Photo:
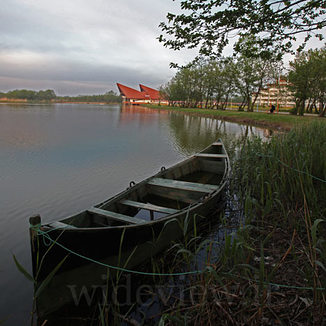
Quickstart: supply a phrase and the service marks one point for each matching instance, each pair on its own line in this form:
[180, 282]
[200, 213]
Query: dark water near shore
[56, 160]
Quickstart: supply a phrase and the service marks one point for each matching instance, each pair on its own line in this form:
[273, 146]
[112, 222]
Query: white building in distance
[277, 94]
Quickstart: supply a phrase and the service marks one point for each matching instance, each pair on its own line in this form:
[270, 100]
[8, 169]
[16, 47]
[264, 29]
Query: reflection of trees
[192, 133]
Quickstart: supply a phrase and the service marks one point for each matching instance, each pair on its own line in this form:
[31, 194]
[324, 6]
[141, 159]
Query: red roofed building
[130, 95]
[146, 95]
[153, 93]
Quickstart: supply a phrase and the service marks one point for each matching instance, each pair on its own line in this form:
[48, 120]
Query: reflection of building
[277, 94]
[145, 95]
[130, 113]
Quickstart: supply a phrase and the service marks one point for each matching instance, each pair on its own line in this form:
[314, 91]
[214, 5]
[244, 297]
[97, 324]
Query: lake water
[56, 160]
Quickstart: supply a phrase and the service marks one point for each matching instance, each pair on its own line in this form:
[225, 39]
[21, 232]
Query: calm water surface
[56, 160]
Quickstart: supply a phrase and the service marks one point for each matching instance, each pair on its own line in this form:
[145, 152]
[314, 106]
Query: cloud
[84, 43]
[40, 71]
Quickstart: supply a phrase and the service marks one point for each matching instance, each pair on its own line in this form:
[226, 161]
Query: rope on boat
[45, 235]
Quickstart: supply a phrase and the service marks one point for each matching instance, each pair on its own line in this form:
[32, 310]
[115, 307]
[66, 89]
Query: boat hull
[85, 251]
[78, 274]
[86, 246]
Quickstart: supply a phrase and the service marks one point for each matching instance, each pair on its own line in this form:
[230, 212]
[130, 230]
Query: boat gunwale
[188, 209]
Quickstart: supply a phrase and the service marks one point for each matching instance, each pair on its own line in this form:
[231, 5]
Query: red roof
[153, 93]
[132, 93]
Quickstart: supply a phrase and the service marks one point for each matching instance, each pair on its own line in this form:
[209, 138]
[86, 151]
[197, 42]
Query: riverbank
[269, 268]
[279, 121]
[271, 271]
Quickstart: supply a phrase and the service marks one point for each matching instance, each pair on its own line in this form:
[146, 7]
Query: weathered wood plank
[182, 185]
[150, 207]
[116, 216]
[59, 225]
[217, 143]
[175, 194]
[213, 166]
[206, 155]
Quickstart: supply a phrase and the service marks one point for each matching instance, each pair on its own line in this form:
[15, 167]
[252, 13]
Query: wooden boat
[135, 224]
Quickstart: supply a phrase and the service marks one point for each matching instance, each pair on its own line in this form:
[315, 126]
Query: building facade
[277, 94]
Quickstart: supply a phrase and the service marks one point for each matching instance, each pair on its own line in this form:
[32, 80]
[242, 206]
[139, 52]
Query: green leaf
[320, 264]
[23, 270]
[162, 320]
[49, 278]
[314, 231]
[184, 251]
[102, 319]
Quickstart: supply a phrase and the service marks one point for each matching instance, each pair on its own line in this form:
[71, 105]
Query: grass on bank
[275, 120]
[273, 272]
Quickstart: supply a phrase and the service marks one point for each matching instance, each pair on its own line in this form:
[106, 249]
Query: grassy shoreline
[273, 271]
[260, 119]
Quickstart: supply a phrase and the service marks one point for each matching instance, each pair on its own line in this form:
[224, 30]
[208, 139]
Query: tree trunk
[322, 111]
[241, 107]
[249, 109]
[302, 107]
[225, 101]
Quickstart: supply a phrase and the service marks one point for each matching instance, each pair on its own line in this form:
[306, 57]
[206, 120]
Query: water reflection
[59, 159]
[191, 133]
[143, 115]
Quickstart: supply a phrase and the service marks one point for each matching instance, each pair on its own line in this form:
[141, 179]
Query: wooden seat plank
[182, 185]
[217, 143]
[207, 155]
[149, 207]
[116, 216]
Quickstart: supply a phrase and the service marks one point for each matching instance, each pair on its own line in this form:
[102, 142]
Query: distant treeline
[49, 95]
[109, 97]
[25, 94]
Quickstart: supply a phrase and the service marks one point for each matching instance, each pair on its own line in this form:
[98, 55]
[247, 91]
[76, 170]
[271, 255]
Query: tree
[47, 95]
[185, 87]
[210, 24]
[206, 84]
[318, 83]
[251, 75]
[308, 80]
[219, 82]
[22, 94]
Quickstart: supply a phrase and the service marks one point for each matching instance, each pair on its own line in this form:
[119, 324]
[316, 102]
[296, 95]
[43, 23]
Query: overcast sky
[82, 46]
[85, 46]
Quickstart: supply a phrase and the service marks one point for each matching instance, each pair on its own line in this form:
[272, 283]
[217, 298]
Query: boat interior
[168, 192]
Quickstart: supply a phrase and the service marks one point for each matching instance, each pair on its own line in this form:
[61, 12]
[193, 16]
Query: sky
[78, 47]
[84, 47]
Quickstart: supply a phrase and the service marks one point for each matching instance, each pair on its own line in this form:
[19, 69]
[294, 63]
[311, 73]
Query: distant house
[145, 95]
[277, 94]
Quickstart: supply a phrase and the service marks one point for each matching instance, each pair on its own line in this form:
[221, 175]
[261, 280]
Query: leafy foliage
[26, 94]
[212, 83]
[210, 25]
[109, 97]
[308, 78]
[49, 95]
